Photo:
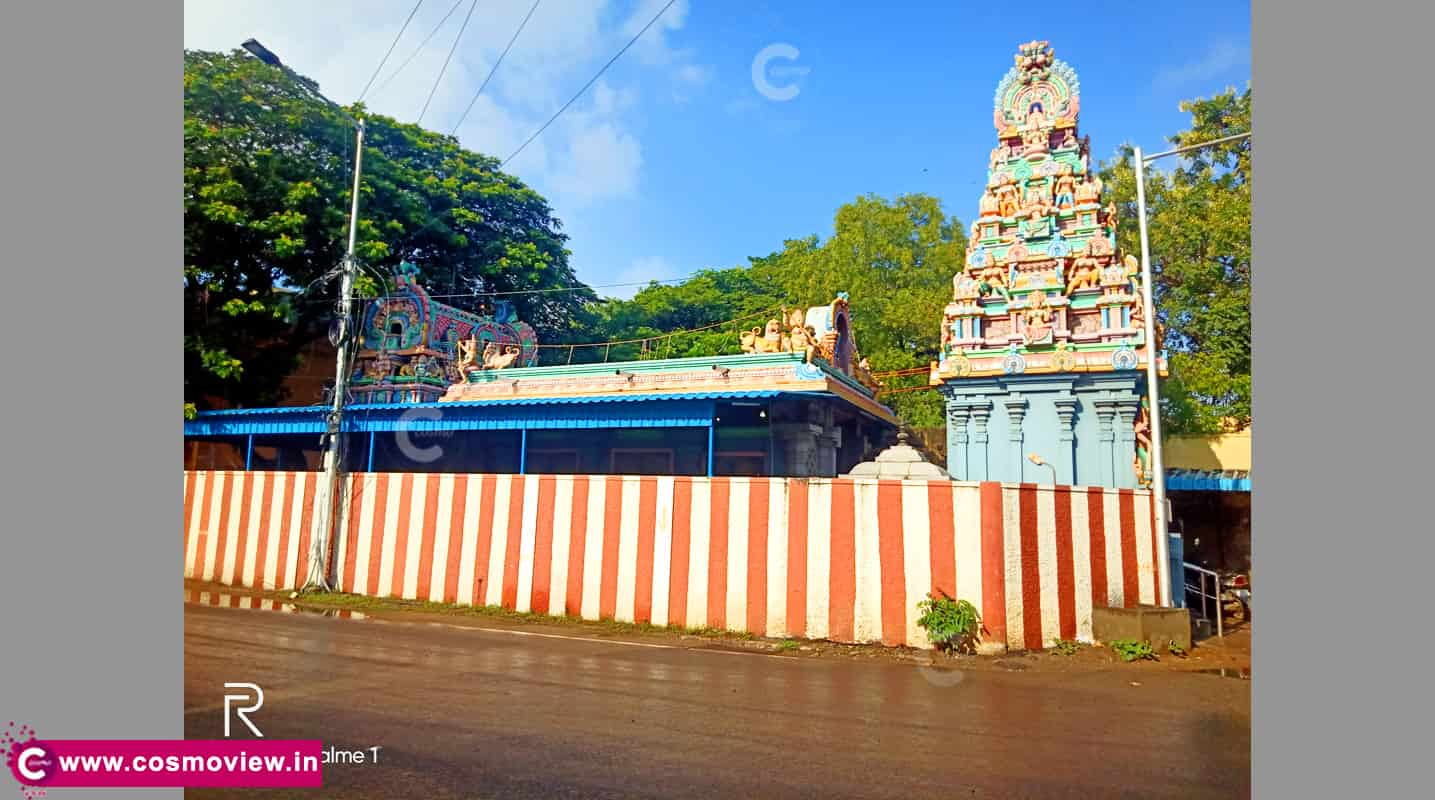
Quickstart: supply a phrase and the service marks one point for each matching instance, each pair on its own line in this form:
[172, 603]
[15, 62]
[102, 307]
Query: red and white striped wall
[845, 560]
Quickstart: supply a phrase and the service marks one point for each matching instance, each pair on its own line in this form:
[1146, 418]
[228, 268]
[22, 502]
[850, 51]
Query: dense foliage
[268, 166]
[894, 257]
[1199, 218]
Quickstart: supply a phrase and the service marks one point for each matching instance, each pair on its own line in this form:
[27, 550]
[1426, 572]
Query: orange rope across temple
[661, 336]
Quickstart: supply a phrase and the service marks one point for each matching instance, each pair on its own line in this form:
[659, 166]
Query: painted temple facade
[1042, 345]
[440, 389]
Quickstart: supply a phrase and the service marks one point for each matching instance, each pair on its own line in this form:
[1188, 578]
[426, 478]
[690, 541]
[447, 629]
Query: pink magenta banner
[167, 763]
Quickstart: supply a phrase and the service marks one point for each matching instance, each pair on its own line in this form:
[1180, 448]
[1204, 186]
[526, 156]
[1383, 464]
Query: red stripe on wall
[286, 528]
[1030, 568]
[266, 499]
[612, 522]
[543, 545]
[717, 553]
[993, 562]
[891, 562]
[426, 542]
[573, 593]
[1096, 522]
[206, 503]
[455, 538]
[235, 569]
[190, 479]
[682, 551]
[1130, 571]
[842, 579]
[647, 532]
[514, 549]
[943, 523]
[357, 484]
[1065, 566]
[376, 539]
[401, 535]
[759, 501]
[487, 493]
[306, 526]
[797, 557]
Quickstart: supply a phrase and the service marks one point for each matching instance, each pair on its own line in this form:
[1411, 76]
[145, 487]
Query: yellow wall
[1220, 452]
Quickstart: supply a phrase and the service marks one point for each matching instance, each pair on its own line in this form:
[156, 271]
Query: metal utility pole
[1153, 372]
[330, 511]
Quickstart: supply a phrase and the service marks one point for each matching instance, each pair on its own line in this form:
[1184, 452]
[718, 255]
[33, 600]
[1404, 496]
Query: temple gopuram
[439, 389]
[1043, 351]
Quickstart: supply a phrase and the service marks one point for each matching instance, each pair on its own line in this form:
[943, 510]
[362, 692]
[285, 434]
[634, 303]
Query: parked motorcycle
[1236, 593]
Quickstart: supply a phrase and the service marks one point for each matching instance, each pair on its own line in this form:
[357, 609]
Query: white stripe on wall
[867, 607]
[467, 593]
[819, 556]
[1145, 559]
[270, 578]
[443, 528]
[738, 523]
[777, 558]
[1011, 539]
[1111, 525]
[528, 537]
[562, 539]
[593, 546]
[662, 551]
[231, 543]
[1046, 565]
[699, 541]
[628, 548]
[498, 551]
[916, 555]
[967, 508]
[1081, 554]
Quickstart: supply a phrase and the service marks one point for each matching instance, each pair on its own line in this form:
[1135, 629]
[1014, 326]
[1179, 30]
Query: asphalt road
[468, 713]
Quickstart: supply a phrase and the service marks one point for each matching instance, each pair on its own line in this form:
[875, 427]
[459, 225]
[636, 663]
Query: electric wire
[385, 59]
[421, 46]
[444, 68]
[496, 64]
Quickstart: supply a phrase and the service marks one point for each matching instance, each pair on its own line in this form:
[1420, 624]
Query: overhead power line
[444, 68]
[385, 59]
[587, 85]
[421, 46]
[491, 72]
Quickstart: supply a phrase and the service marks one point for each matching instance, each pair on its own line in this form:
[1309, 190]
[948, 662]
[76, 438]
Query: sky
[731, 127]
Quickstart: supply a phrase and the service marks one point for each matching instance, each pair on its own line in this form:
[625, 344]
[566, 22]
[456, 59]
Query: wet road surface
[463, 713]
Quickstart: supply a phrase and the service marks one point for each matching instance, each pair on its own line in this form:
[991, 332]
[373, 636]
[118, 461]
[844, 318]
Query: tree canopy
[1199, 228]
[268, 167]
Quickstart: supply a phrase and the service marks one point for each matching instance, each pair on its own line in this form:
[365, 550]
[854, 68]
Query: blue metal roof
[1189, 480]
[674, 410]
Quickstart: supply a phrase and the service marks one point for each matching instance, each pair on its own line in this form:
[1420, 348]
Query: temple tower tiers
[1043, 350]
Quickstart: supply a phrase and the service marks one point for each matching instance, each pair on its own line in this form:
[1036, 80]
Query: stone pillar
[798, 443]
[827, 443]
[957, 438]
[1106, 434]
[1066, 452]
[1125, 446]
[978, 469]
[1016, 412]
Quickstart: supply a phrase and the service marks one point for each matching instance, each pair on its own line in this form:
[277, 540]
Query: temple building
[439, 389]
[1043, 353]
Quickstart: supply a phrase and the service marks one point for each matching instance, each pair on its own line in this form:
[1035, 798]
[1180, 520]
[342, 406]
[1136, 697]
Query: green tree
[895, 258]
[267, 177]
[1199, 228]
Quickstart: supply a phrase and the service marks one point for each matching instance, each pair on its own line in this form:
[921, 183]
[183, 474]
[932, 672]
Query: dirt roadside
[1229, 656]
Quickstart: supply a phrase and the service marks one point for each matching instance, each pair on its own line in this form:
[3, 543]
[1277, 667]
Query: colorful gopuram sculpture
[818, 332]
[1045, 305]
[412, 348]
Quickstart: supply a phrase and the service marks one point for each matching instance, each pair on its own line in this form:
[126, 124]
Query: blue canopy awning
[1190, 480]
[675, 410]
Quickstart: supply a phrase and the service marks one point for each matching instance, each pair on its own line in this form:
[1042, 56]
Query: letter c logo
[26, 757]
[775, 52]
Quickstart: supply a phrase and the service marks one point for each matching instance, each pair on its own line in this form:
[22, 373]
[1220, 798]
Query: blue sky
[675, 161]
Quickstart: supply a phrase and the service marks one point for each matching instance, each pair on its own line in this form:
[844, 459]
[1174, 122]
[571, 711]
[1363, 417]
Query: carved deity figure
[1069, 140]
[1008, 197]
[803, 339]
[993, 278]
[1065, 192]
[1036, 317]
[989, 206]
[1141, 462]
[1036, 200]
[495, 357]
[965, 287]
[1000, 155]
[1088, 191]
[1035, 141]
[467, 354]
[1085, 273]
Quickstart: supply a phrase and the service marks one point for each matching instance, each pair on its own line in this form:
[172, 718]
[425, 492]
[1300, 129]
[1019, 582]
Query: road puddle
[252, 602]
[1226, 672]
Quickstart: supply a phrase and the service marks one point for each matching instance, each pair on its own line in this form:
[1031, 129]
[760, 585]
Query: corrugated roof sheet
[516, 401]
[1186, 480]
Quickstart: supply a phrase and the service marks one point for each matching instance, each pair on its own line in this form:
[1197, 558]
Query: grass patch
[1065, 647]
[788, 644]
[1130, 650]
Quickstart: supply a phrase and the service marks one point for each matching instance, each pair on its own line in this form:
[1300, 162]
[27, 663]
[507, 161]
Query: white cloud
[1222, 56]
[593, 152]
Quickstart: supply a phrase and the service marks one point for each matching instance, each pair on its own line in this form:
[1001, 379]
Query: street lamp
[1041, 462]
[318, 576]
[1158, 474]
